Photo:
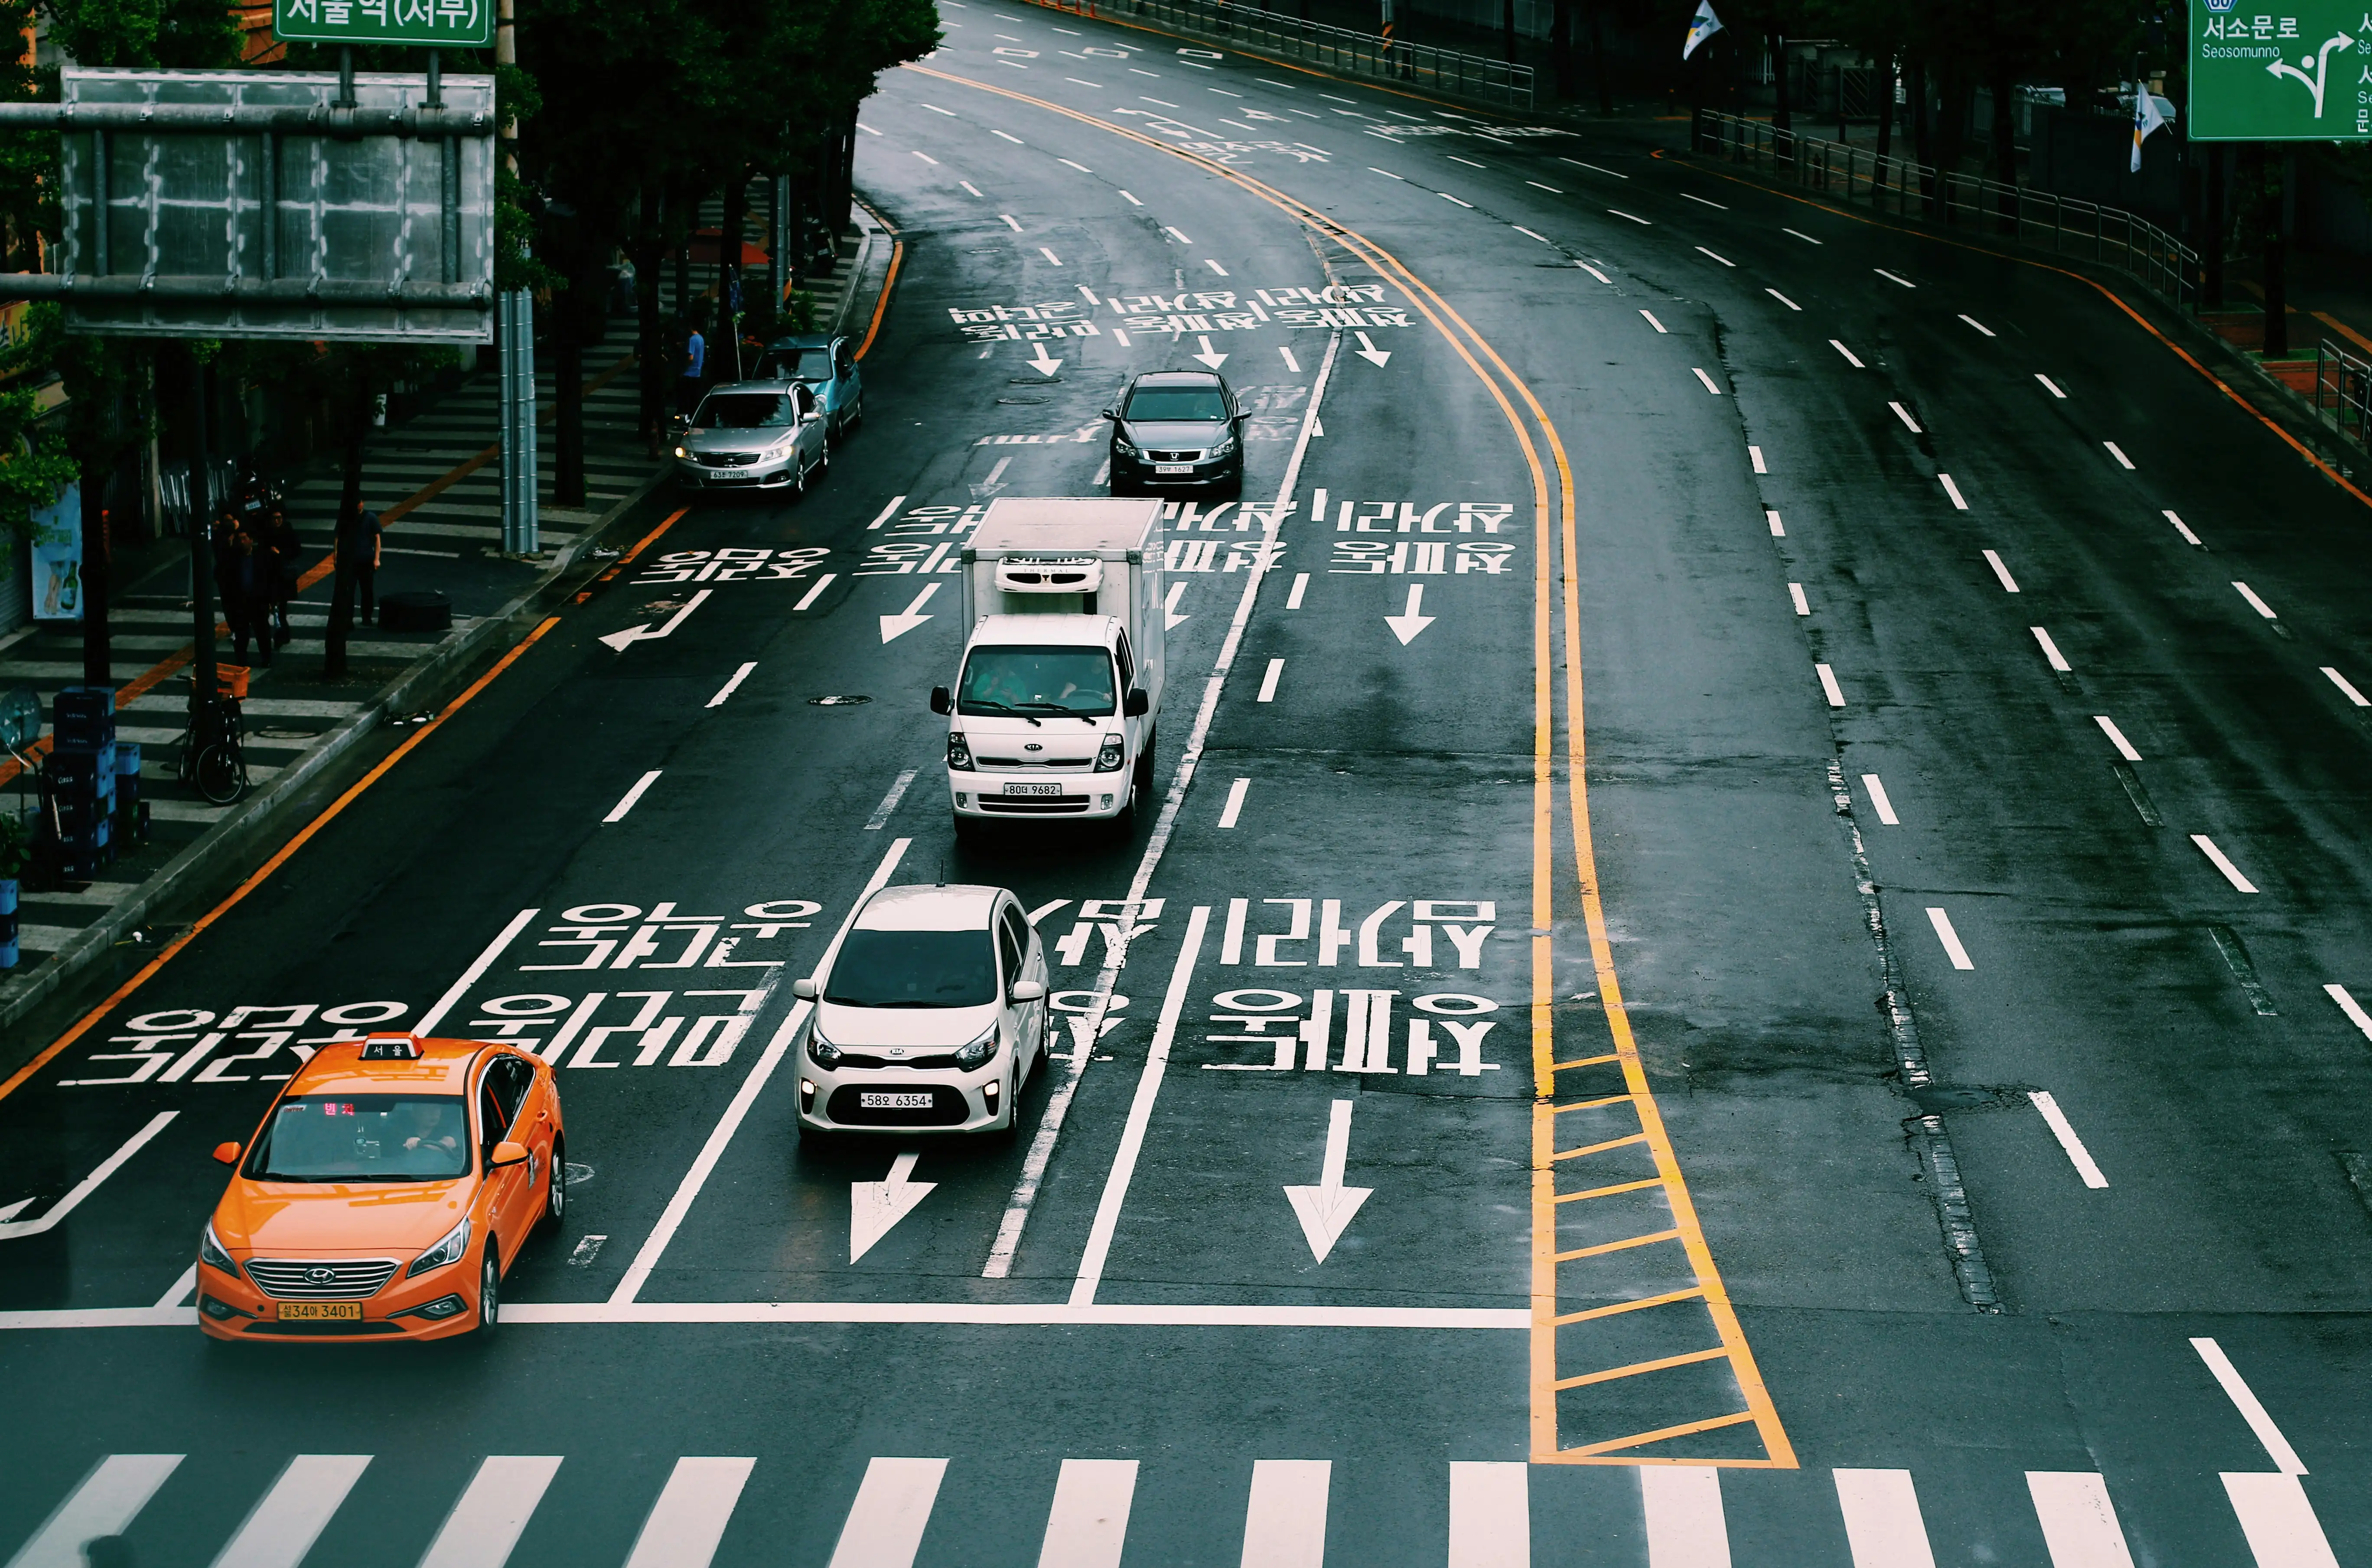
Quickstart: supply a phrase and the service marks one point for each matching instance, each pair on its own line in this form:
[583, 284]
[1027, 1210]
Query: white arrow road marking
[1046, 366]
[1326, 1209]
[1170, 619]
[89, 1184]
[896, 626]
[1206, 357]
[1370, 353]
[1408, 622]
[620, 641]
[876, 1206]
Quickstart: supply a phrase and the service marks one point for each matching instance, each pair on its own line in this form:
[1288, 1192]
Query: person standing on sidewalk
[287, 563]
[695, 365]
[358, 557]
[242, 570]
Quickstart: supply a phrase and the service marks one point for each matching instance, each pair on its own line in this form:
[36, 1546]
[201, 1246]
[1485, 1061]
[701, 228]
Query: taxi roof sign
[391, 1048]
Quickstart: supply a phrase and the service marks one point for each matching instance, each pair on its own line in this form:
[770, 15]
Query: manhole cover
[849, 702]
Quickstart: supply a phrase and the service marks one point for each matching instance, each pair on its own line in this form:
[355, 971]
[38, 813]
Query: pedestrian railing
[2342, 391]
[1448, 72]
[1898, 186]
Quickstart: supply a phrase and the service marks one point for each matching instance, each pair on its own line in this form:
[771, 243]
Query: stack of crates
[130, 828]
[78, 804]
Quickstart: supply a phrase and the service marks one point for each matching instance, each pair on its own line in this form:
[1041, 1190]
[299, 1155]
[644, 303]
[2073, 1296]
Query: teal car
[826, 364]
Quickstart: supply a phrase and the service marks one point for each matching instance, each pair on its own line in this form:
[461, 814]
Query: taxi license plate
[320, 1311]
[1033, 789]
[1173, 468]
[871, 1101]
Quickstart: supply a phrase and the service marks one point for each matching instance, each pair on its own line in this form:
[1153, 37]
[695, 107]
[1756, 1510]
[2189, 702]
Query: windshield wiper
[988, 704]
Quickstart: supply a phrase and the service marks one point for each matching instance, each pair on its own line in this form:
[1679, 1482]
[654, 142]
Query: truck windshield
[1037, 681]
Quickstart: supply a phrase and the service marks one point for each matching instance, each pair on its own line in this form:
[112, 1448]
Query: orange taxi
[385, 1195]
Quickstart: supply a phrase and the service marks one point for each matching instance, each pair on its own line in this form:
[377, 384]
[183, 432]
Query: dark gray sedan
[1177, 429]
[753, 436]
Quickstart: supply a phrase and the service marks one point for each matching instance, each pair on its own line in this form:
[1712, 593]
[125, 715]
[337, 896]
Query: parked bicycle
[213, 757]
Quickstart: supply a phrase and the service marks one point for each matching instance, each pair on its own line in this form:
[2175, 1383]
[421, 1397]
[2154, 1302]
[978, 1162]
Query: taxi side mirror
[804, 989]
[1029, 991]
[227, 1153]
[507, 1153]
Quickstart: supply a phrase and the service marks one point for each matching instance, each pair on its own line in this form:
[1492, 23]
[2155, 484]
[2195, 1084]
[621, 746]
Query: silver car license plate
[872, 1101]
[1033, 789]
[1173, 468]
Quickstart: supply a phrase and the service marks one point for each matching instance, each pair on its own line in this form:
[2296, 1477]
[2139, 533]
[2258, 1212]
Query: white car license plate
[1033, 789]
[871, 1101]
[1173, 468]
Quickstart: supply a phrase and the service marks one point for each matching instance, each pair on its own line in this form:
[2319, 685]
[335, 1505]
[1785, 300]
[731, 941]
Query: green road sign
[458, 24]
[2280, 71]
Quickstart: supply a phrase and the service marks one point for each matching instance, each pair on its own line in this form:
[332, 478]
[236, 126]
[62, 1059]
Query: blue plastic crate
[127, 759]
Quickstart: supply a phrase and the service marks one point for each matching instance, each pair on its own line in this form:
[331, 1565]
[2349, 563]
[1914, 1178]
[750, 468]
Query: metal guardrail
[2108, 235]
[1476, 78]
[2342, 391]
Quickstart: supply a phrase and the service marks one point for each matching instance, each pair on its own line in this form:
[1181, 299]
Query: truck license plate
[1173, 468]
[870, 1101]
[320, 1311]
[1033, 789]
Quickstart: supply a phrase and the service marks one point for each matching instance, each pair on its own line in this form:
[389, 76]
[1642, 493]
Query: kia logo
[1033, 746]
[319, 1276]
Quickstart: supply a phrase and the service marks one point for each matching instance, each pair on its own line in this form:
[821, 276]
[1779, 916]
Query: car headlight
[1124, 447]
[1108, 761]
[821, 1052]
[959, 751]
[977, 1053]
[681, 453]
[211, 1254]
[449, 1251]
[1227, 446]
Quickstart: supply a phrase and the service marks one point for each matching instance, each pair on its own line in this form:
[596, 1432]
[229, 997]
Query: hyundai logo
[321, 1277]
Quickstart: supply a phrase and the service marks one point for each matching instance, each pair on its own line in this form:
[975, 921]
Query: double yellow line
[1554, 541]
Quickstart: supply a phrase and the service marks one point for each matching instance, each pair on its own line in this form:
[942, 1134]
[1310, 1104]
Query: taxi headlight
[977, 1053]
[449, 1251]
[213, 1254]
[821, 1052]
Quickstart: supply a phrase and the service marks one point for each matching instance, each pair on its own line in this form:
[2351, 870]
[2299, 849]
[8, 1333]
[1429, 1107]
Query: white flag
[1701, 26]
[2146, 118]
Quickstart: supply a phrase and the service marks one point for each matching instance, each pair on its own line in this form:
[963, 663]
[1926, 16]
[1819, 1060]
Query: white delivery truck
[1053, 708]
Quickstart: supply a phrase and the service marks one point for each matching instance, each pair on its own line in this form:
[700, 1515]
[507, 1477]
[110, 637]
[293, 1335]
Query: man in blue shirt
[687, 384]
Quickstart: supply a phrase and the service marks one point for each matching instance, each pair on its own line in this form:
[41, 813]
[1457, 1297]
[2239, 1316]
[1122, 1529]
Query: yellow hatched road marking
[1599, 1148]
[1661, 1434]
[1609, 1192]
[1585, 1061]
[1712, 1353]
[1605, 1247]
[1590, 1104]
[1616, 1308]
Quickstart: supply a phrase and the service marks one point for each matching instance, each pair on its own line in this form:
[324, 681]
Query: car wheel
[823, 459]
[799, 485]
[971, 831]
[555, 1200]
[1234, 489]
[855, 416]
[489, 1291]
[1143, 779]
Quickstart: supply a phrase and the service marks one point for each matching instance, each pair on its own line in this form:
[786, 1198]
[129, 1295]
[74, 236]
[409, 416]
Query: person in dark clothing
[358, 557]
[287, 565]
[242, 571]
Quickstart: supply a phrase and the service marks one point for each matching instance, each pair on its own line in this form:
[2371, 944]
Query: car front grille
[1034, 805]
[342, 1279]
[860, 1058]
[346, 1330]
[1175, 457]
[725, 459]
[1055, 764]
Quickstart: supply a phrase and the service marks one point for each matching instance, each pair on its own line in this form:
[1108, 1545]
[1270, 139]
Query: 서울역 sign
[2280, 71]
[457, 24]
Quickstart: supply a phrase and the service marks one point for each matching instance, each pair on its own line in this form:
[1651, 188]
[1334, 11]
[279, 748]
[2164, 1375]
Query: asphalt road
[1728, 1202]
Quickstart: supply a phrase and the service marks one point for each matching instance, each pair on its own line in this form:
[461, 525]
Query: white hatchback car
[930, 1018]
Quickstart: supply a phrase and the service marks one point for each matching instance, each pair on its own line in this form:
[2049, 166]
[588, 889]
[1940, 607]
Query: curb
[873, 232]
[235, 836]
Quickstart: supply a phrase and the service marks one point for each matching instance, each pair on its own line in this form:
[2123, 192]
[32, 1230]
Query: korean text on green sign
[2284, 71]
[461, 24]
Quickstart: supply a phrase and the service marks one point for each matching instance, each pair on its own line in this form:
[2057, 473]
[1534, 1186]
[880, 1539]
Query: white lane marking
[2223, 863]
[646, 632]
[478, 966]
[1680, 1505]
[589, 1249]
[2008, 583]
[1959, 503]
[928, 159]
[1175, 235]
[1795, 592]
[1131, 200]
[1011, 222]
[626, 803]
[971, 187]
[727, 690]
[2260, 605]
[106, 1167]
[1950, 938]
[1385, 173]
[1519, 228]
[1851, 358]
[886, 513]
[1300, 587]
[1754, 455]
[1802, 235]
[1290, 362]
[2119, 453]
[1050, 256]
[687, 1191]
[2253, 1410]
[2278, 1520]
[2049, 385]
[178, 1291]
[291, 1516]
[1717, 256]
[2352, 1008]
[1140, 71]
[881, 813]
[866, 129]
[2182, 528]
[1980, 326]
[1085, 83]
[2347, 686]
[1633, 216]
[1008, 136]
[1550, 189]
[1286, 86]
[1214, 266]
[1269, 680]
[1491, 1514]
[1879, 799]
[689, 1519]
[1327, 1209]
[1591, 166]
[1653, 322]
[492, 1511]
[1170, 617]
[1235, 802]
[1088, 1522]
[2050, 649]
[1709, 385]
[1222, 92]
[2079, 1525]
[1467, 162]
[1890, 277]
[2116, 737]
[1783, 299]
[1699, 200]
[1593, 271]
[1140, 1115]
[1829, 686]
[1882, 1523]
[1448, 197]
[1778, 528]
[816, 592]
[1284, 1520]
[2065, 1130]
[1904, 415]
[109, 1499]
[875, 1207]
[936, 110]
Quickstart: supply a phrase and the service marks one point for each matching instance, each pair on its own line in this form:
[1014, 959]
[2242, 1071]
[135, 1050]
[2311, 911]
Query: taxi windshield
[364, 1138]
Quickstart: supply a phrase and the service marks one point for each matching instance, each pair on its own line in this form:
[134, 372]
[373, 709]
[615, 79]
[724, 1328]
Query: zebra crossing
[1287, 1515]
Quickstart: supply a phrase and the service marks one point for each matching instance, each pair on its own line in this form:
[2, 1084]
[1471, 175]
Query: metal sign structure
[257, 205]
[2280, 71]
[448, 24]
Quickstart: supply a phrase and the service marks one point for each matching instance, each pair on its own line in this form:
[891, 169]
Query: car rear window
[364, 1138]
[1177, 403]
[797, 365]
[746, 411]
[913, 968]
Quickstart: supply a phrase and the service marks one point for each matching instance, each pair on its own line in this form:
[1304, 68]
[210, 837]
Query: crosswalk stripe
[1490, 1513]
[1882, 1523]
[1682, 1507]
[291, 1516]
[689, 1519]
[885, 1523]
[102, 1505]
[485, 1524]
[2079, 1524]
[1089, 1519]
[1285, 1523]
[2278, 1520]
